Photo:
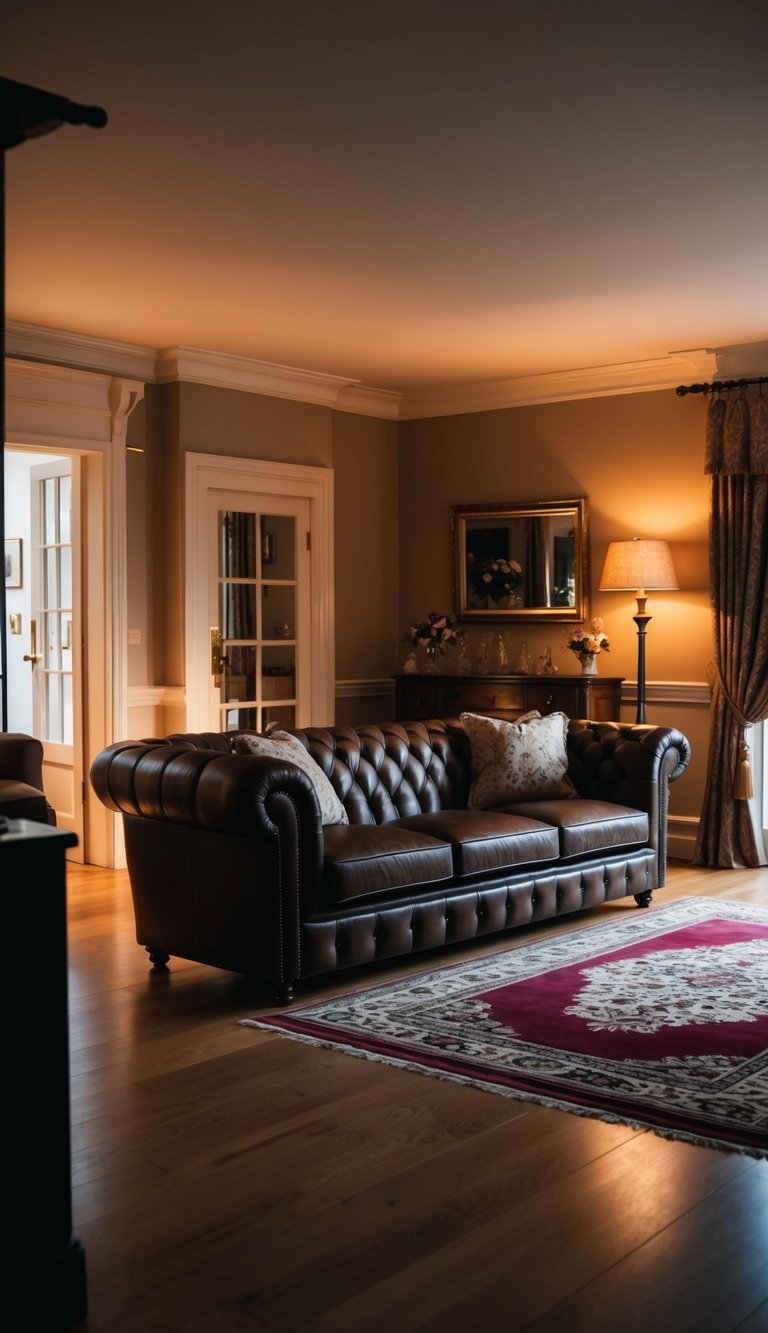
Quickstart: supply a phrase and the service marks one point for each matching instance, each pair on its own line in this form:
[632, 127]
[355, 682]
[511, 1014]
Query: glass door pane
[257, 601]
[54, 611]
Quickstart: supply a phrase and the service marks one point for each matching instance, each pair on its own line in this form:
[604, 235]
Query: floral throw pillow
[525, 760]
[281, 745]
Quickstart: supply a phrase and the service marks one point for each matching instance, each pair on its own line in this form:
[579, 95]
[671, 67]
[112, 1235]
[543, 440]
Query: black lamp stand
[641, 619]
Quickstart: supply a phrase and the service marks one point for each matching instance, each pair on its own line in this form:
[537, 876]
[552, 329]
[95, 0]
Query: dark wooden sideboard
[595, 697]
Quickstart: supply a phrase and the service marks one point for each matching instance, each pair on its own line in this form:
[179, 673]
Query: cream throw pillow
[524, 760]
[281, 745]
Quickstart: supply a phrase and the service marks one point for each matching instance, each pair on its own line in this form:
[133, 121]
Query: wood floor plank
[226, 1178]
[708, 1270]
[601, 1214]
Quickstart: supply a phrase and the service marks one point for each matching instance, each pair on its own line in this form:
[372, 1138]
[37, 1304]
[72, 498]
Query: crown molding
[224, 371]
[342, 394]
[742, 359]
[558, 386]
[79, 351]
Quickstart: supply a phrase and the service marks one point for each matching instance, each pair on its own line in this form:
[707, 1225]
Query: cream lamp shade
[639, 566]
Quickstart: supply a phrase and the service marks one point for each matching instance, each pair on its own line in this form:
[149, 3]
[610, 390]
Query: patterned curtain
[737, 459]
[535, 563]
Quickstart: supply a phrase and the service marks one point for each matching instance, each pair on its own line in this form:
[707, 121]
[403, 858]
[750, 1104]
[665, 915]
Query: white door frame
[63, 762]
[207, 472]
[73, 411]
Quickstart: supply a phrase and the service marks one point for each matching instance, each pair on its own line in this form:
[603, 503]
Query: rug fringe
[516, 1094]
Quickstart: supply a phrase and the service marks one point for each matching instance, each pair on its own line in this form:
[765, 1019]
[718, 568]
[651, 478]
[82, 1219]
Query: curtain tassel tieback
[743, 785]
[743, 781]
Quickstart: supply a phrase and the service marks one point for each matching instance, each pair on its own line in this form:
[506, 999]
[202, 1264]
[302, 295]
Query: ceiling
[413, 194]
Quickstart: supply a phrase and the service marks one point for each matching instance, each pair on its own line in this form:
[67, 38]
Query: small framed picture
[13, 562]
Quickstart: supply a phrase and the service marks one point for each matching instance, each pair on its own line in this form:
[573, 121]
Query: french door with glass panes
[259, 611]
[55, 649]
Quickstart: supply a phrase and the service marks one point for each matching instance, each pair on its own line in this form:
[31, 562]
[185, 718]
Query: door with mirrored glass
[55, 637]
[259, 604]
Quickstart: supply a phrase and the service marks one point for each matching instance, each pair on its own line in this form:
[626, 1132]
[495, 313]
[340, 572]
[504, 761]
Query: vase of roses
[493, 583]
[586, 641]
[434, 635]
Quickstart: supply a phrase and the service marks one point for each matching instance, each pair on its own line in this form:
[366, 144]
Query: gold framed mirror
[526, 561]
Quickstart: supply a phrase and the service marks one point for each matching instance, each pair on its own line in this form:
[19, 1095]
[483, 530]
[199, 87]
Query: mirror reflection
[521, 561]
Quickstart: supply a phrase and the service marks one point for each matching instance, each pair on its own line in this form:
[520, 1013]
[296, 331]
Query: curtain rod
[718, 385]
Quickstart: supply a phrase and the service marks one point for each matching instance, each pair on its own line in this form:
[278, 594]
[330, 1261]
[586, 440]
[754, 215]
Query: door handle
[217, 660]
[34, 655]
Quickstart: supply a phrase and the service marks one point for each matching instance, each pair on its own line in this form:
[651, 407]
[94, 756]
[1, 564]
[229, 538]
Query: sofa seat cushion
[485, 841]
[587, 826]
[20, 801]
[364, 860]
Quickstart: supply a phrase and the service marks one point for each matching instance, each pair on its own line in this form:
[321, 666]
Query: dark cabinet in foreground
[595, 697]
[42, 1263]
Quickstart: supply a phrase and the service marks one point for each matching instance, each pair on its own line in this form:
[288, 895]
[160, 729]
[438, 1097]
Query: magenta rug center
[697, 991]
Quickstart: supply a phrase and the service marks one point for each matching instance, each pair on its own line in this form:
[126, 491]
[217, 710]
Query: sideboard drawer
[547, 694]
[482, 695]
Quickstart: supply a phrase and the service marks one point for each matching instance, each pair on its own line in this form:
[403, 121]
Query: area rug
[658, 1019]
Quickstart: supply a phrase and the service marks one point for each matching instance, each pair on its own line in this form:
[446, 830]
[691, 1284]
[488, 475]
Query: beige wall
[250, 425]
[362, 451]
[367, 542]
[638, 458]
[366, 551]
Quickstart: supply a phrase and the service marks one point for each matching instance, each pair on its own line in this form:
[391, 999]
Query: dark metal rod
[27, 112]
[717, 386]
[641, 620]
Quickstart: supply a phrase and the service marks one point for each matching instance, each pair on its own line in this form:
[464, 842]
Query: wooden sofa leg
[644, 899]
[284, 992]
[157, 957]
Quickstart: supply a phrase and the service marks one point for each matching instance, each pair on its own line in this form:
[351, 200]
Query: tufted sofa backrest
[379, 772]
[396, 769]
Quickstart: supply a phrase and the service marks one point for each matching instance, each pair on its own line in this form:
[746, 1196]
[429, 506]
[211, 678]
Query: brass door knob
[32, 657]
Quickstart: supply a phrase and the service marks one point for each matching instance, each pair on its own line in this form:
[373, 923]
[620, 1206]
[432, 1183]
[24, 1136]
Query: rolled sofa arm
[220, 792]
[21, 759]
[631, 764]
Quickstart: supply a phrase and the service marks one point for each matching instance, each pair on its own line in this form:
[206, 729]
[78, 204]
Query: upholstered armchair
[21, 779]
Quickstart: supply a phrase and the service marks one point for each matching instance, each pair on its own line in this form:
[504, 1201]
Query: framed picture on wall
[13, 562]
[527, 561]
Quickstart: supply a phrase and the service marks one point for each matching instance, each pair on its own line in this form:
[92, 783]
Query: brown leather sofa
[21, 779]
[230, 865]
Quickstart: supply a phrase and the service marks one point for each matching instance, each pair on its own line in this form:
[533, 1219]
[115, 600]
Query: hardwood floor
[227, 1179]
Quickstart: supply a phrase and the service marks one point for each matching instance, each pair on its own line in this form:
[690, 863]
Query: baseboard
[682, 831]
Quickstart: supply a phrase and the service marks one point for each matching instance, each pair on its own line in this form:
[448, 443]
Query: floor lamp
[639, 566]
